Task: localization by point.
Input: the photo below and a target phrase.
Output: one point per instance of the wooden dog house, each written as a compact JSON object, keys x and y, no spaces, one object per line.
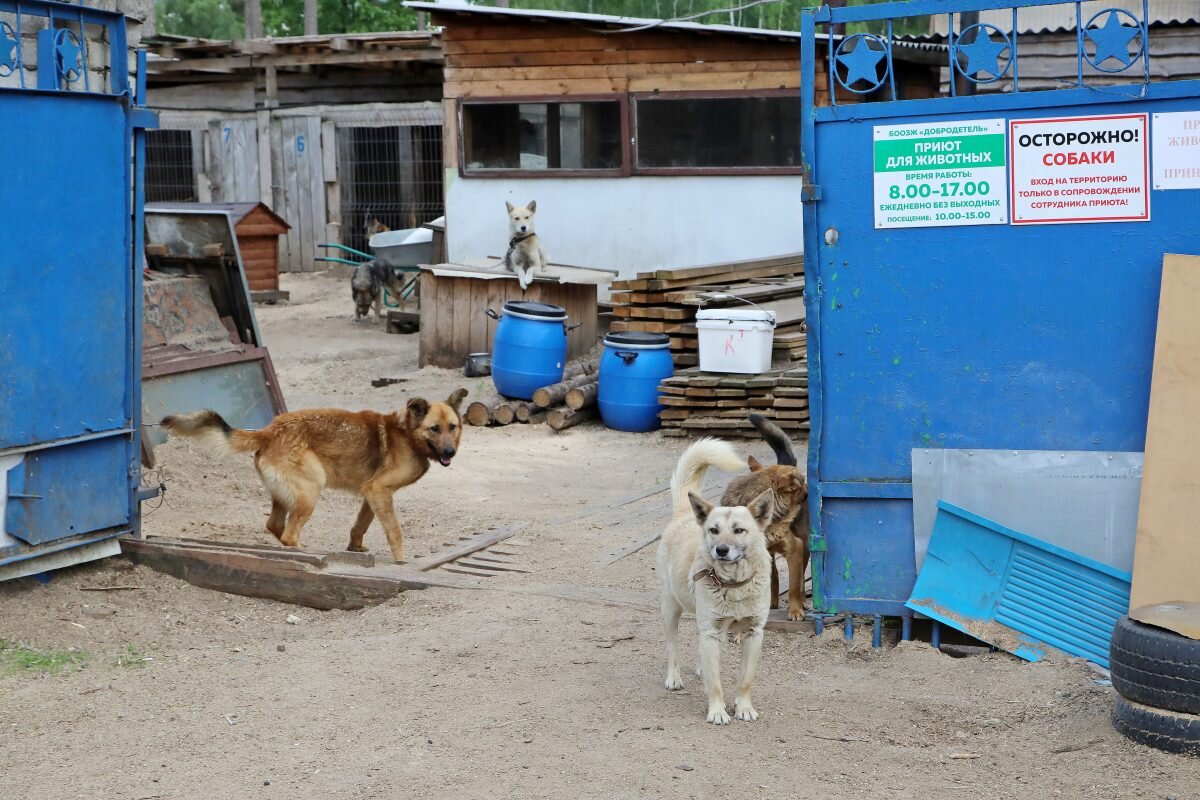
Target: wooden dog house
{"x":258,"y":229}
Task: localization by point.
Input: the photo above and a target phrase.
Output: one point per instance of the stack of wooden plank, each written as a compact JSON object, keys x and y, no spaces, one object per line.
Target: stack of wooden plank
{"x":666,"y":301}
{"x":719,"y":404}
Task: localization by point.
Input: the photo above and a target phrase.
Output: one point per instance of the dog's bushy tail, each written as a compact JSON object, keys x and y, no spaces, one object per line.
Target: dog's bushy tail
{"x":694,"y":463}
{"x":212,"y":432}
{"x":785,"y":453}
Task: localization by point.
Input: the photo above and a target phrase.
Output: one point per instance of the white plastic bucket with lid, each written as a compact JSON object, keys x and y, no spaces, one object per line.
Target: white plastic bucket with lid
{"x":735,"y":339}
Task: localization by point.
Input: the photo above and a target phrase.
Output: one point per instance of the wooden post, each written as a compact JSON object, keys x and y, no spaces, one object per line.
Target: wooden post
{"x":562,"y":418}
{"x":584,"y":366}
{"x":583,"y":396}
{"x":505,"y":413}
{"x":556,"y":393}
{"x":483,"y":411}
{"x":254,"y":25}
{"x":310,"y":18}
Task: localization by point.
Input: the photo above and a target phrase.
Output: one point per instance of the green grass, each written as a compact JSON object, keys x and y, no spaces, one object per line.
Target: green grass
{"x":16,"y":658}
{"x":131,"y":657}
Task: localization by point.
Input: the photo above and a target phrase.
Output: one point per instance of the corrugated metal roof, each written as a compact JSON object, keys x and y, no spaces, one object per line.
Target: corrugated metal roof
{"x":1061,"y":17}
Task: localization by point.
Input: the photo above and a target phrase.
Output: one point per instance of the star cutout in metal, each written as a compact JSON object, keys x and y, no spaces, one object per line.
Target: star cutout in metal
{"x":8,"y":50}
{"x":983,"y":54}
{"x":1112,"y":41}
{"x":861,"y":63}
{"x":68,"y":51}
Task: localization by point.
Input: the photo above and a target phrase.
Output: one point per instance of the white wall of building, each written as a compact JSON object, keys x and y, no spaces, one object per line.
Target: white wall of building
{"x":632,"y":224}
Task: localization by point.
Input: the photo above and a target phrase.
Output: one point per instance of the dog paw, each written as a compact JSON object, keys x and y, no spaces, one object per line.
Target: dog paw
{"x":359,"y":549}
{"x":717,"y":715}
{"x":674,"y":683}
{"x":744,"y":711}
{"x":795,"y":614}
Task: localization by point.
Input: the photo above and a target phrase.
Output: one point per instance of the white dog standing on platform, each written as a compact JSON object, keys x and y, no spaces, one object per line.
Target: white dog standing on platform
{"x":713,"y":561}
{"x":525,"y":255}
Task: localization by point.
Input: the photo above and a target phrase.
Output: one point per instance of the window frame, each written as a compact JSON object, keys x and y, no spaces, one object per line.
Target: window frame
{"x":625,"y":123}
{"x":727,"y":94}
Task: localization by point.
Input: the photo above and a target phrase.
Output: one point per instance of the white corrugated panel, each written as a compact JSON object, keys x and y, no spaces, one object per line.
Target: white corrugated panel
{"x":1044,"y":19}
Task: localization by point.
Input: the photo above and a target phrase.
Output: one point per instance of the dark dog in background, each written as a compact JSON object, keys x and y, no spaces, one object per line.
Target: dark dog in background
{"x":367,"y":284}
{"x":787,"y":533}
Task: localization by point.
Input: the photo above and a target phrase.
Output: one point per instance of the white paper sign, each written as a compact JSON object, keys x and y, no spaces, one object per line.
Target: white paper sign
{"x":1079,"y":169}
{"x":1176,"y":150}
{"x":930,"y":174}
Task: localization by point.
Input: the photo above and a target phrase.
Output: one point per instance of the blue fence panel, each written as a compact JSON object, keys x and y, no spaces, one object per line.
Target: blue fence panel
{"x":70,"y":278}
{"x":998,"y":336}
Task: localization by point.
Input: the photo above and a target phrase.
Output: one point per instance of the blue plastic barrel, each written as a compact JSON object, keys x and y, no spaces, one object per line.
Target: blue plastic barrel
{"x":631,"y":368}
{"x":529,"y":349}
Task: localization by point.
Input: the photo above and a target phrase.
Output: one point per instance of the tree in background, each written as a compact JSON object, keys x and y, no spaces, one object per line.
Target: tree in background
{"x":222,"y":19}
{"x":208,"y":19}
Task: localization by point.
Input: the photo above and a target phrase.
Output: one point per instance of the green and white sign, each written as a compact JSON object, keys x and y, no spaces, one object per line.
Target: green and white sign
{"x":946,"y":173}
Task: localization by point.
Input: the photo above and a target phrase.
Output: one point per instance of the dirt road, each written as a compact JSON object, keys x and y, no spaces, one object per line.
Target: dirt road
{"x":170,"y":691}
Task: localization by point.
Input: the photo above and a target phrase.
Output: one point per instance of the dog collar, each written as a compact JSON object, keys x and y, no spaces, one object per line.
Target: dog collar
{"x":713,"y":578}
{"x":514,"y":241}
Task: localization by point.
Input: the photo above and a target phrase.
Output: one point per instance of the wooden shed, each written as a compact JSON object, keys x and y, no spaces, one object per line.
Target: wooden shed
{"x":258,"y":229}
{"x":635,"y":137}
{"x":331,"y":131}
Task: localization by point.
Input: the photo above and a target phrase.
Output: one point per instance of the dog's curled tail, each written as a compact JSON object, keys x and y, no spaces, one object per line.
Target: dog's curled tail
{"x":785,"y":453}
{"x":695,"y":461}
{"x":212,"y":432}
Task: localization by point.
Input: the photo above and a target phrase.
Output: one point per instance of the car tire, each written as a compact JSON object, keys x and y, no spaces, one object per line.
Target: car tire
{"x":1154,"y":727}
{"x":1155,"y":667}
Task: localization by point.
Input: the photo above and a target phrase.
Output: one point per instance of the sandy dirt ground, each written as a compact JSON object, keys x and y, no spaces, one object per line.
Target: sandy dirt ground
{"x":500,"y":691}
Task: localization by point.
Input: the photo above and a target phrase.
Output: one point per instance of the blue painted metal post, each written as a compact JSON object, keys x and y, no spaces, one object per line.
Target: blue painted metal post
{"x":877,"y":632}
{"x":935,"y":634}
{"x":848,"y":627}
{"x":66,"y":432}
{"x":906,"y":628}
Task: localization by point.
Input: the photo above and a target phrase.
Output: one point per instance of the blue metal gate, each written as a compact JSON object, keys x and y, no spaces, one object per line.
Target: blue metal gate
{"x":930,"y":329}
{"x":70,"y":279}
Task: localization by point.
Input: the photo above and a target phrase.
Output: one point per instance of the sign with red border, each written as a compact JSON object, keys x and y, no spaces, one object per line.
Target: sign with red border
{"x":1079,"y":169}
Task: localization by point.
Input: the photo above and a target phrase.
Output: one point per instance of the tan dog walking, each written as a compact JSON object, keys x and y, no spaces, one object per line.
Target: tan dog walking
{"x":362,"y":452}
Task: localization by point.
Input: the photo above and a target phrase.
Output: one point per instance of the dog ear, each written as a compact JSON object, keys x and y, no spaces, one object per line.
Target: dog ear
{"x":418,"y":407}
{"x":456,"y":398}
{"x":761,"y":507}
{"x":532,"y":206}
{"x":509,"y":206}
{"x":700,"y":507}
{"x":755,"y":466}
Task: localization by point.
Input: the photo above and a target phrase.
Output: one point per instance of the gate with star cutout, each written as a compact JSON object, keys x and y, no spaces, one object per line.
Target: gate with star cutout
{"x":70,"y":284}
{"x":983,"y":269}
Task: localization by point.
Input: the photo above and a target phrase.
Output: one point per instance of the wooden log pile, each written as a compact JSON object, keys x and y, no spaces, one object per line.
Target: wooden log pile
{"x":666,"y":301}
{"x":717,"y":404}
{"x":561,"y":405}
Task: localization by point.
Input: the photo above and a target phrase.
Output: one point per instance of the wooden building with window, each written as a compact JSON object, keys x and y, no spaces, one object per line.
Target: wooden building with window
{"x":645,"y":144}
{"x":329,"y":132}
